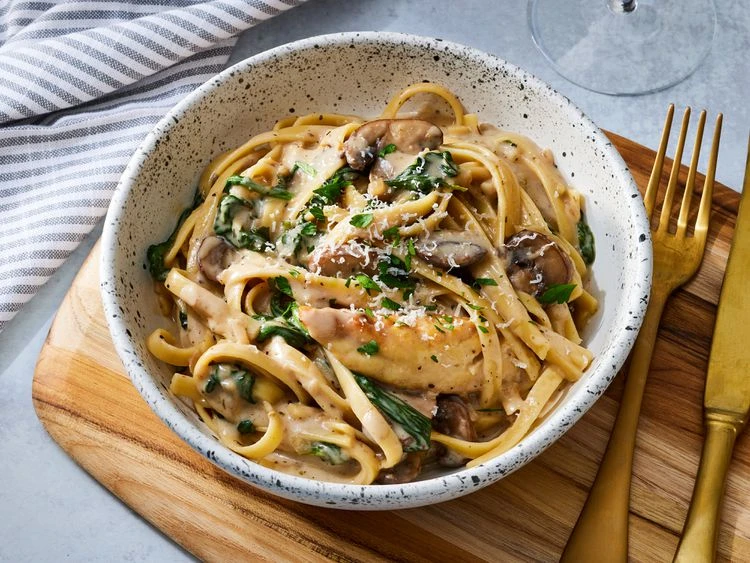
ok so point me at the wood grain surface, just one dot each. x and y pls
(89, 407)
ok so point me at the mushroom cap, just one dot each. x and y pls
(535, 262)
(453, 418)
(403, 472)
(408, 135)
(214, 256)
(451, 249)
(343, 261)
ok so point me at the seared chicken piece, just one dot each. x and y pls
(419, 357)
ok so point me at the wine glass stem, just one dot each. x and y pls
(623, 6)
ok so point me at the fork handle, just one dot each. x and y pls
(701, 531)
(601, 533)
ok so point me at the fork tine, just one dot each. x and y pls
(666, 208)
(690, 183)
(653, 183)
(704, 211)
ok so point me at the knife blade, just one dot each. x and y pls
(728, 379)
(727, 396)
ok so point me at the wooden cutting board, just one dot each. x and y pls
(87, 404)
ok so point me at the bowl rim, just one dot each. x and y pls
(347, 496)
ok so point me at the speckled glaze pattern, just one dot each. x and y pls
(358, 73)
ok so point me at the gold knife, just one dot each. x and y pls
(727, 398)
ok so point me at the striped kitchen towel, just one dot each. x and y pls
(81, 84)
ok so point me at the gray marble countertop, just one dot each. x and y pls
(52, 510)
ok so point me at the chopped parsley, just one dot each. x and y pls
(434, 358)
(369, 349)
(392, 233)
(394, 272)
(480, 282)
(390, 304)
(361, 220)
(366, 283)
(386, 150)
(558, 293)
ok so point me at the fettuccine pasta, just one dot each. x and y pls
(358, 301)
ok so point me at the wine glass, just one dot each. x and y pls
(623, 47)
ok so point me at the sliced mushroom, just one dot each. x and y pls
(214, 256)
(453, 418)
(343, 261)
(408, 135)
(403, 472)
(535, 262)
(451, 249)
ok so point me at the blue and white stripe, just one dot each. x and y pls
(81, 84)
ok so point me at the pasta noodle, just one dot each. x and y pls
(360, 300)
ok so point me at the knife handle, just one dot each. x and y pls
(701, 531)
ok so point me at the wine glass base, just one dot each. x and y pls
(600, 46)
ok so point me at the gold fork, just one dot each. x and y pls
(601, 533)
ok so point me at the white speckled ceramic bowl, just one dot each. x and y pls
(357, 73)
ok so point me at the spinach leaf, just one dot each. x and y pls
(246, 426)
(411, 421)
(156, 252)
(284, 320)
(430, 172)
(281, 284)
(330, 191)
(586, 242)
(308, 169)
(293, 336)
(244, 380)
(279, 191)
(213, 380)
(224, 224)
(328, 452)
